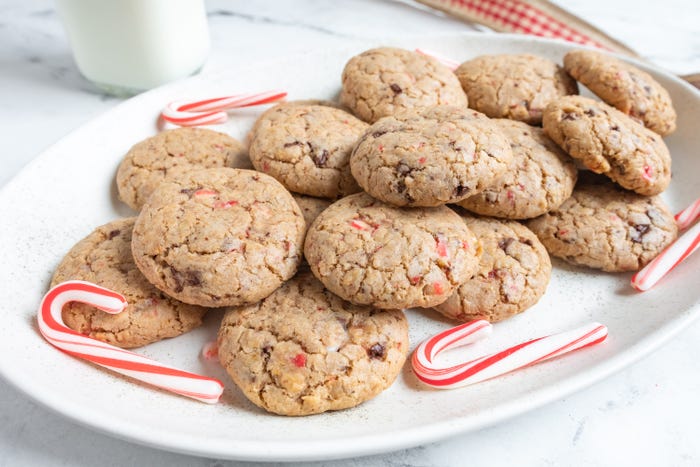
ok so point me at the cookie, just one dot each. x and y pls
(514, 272)
(440, 155)
(540, 178)
(625, 87)
(310, 207)
(307, 148)
(608, 142)
(517, 87)
(219, 237)
(104, 258)
(170, 154)
(605, 227)
(303, 350)
(384, 81)
(372, 253)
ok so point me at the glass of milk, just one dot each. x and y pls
(128, 46)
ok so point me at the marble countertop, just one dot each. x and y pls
(644, 415)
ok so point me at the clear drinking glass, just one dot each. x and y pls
(128, 46)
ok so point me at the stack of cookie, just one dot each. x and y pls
(409, 193)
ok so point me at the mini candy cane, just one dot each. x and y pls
(212, 111)
(497, 364)
(448, 62)
(667, 260)
(122, 361)
(686, 217)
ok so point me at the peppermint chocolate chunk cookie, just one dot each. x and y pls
(440, 155)
(307, 148)
(372, 253)
(172, 153)
(104, 258)
(219, 237)
(513, 274)
(625, 87)
(384, 81)
(605, 227)
(609, 142)
(540, 178)
(303, 350)
(518, 87)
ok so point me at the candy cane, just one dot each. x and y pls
(686, 217)
(496, 364)
(667, 260)
(448, 62)
(122, 361)
(212, 111)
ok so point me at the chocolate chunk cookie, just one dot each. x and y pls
(104, 258)
(513, 273)
(609, 142)
(604, 227)
(310, 207)
(371, 253)
(303, 350)
(384, 81)
(172, 153)
(625, 87)
(219, 237)
(307, 148)
(440, 155)
(540, 178)
(518, 87)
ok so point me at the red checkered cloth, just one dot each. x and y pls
(535, 17)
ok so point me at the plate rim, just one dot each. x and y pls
(364, 444)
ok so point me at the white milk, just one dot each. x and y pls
(128, 46)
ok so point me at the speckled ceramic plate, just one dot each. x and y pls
(69, 190)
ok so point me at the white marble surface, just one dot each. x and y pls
(644, 415)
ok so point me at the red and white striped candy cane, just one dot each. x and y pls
(448, 62)
(686, 217)
(496, 364)
(212, 111)
(667, 260)
(122, 361)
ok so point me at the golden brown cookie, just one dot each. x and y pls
(384, 81)
(540, 178)
(436, 156)
(518, 87)
(219, 237)
(172, 153)
(303, 350)
(605, 227)
(372, 253)
(104, 258)
(307, 148)
(513, 274)
(609, 142)
(625, 87)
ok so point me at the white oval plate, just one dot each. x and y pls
(69, 190)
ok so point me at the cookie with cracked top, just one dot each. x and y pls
(104, 258)
(372, 253)
(303, 350)
(518, 87)
(609, 142)
(625, 87)
(307, 148)
(436, 156)
(605, 227)
(514, 272)
(540, 178)
(170, 154)
(219, 237)
(311, 207)
(383, 81)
